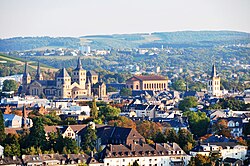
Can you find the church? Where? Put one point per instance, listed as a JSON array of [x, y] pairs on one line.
[[213, 85], [80, 84]]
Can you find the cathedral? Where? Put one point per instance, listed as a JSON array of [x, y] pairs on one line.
[[80, 84]]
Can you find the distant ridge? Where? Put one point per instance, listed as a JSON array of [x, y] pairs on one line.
[[136, 40]]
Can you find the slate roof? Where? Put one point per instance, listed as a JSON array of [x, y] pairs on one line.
[[91, 73], [142, 92], [140, 150], [63, 73], [216, 138], [45, 82], [235, 119], [230, 160]]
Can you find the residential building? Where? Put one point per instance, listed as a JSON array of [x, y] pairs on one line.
[[77, 110], [235, 126], [225, 149], [146, 155]]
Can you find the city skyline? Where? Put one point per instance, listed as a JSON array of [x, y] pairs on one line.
[[83, 17]]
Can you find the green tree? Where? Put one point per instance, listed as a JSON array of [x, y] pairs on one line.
[[13, 141], [126, 92], [109, 112], [89, 139], [94, 110], [171, 135], [10, 85], [2, 132], [198, 122], [179, 85], [7, 151], [160, 138], [70, 121], [37, 136], [200, 160], [135, 163], [188, 102], [111, 89], [185, 140]]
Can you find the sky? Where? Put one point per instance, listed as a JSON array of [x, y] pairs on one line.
[[20, 18]]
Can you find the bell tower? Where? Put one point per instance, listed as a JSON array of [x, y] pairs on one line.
[[213, 85], [79, 74]]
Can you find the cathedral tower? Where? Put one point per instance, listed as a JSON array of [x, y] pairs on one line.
[[39, 75], [26, 79], [63, 83], [213, 85], [79, 74]]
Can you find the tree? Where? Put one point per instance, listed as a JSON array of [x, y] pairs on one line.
[[160, 138], [2, 131], [171, 135], [109, 112], [123, 121], [246, 129], [198, 122], [13, 143], [179, 85], [185, 140], [70, 121], [89, 139], [221, 128], [94, 110], [188, 102], [200, 160], [149, 129], [135, 163], [111, 89], [126, 92], [37, 136], [10, 85], [7, 151]]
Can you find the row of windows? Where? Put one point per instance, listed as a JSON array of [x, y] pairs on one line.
[[155, 85], [76, 73]]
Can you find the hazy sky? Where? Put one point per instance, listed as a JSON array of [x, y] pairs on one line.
[[84, 17]]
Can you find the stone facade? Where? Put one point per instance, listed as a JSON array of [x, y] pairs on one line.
[[80, 84]]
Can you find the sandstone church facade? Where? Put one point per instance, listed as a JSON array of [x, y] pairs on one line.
[[80, 84]]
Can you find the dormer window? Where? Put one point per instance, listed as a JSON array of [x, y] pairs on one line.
[[237, 124]]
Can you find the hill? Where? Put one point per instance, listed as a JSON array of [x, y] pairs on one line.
[[12, 65], [141, 40]]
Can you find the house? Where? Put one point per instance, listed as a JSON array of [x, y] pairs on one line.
[[54, 159], [77, 110], [112, 135], [1, 150], [11, 161], [232, 162], [145, 154], [69, 131], [15, 121], [177, 122], [144, 110], [235, 125], [225, 149]]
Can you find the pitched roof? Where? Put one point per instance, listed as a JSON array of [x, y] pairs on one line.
[[63, 73], [147, 77]]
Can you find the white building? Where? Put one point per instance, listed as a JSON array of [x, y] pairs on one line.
[[1, 150], [77, 110], [226, 149], [15, 121], [145, 155]]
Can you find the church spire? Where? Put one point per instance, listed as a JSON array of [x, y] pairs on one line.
[[213, 74], [79, 64], [38, 72], [25, 73]]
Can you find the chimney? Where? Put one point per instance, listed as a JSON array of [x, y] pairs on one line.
[[14, 158], [110, 147]]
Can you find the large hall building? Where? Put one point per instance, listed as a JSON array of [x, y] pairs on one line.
[[80, 84], [147, 82]]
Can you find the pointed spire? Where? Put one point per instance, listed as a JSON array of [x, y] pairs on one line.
[[38, 72], [79, 64], [25, 73], [213, 74], [88, 81]]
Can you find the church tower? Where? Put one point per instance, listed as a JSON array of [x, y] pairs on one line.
[[88, 87], [63, 83], [26, 79], [213, 85], [79, 74], [39, 75]]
